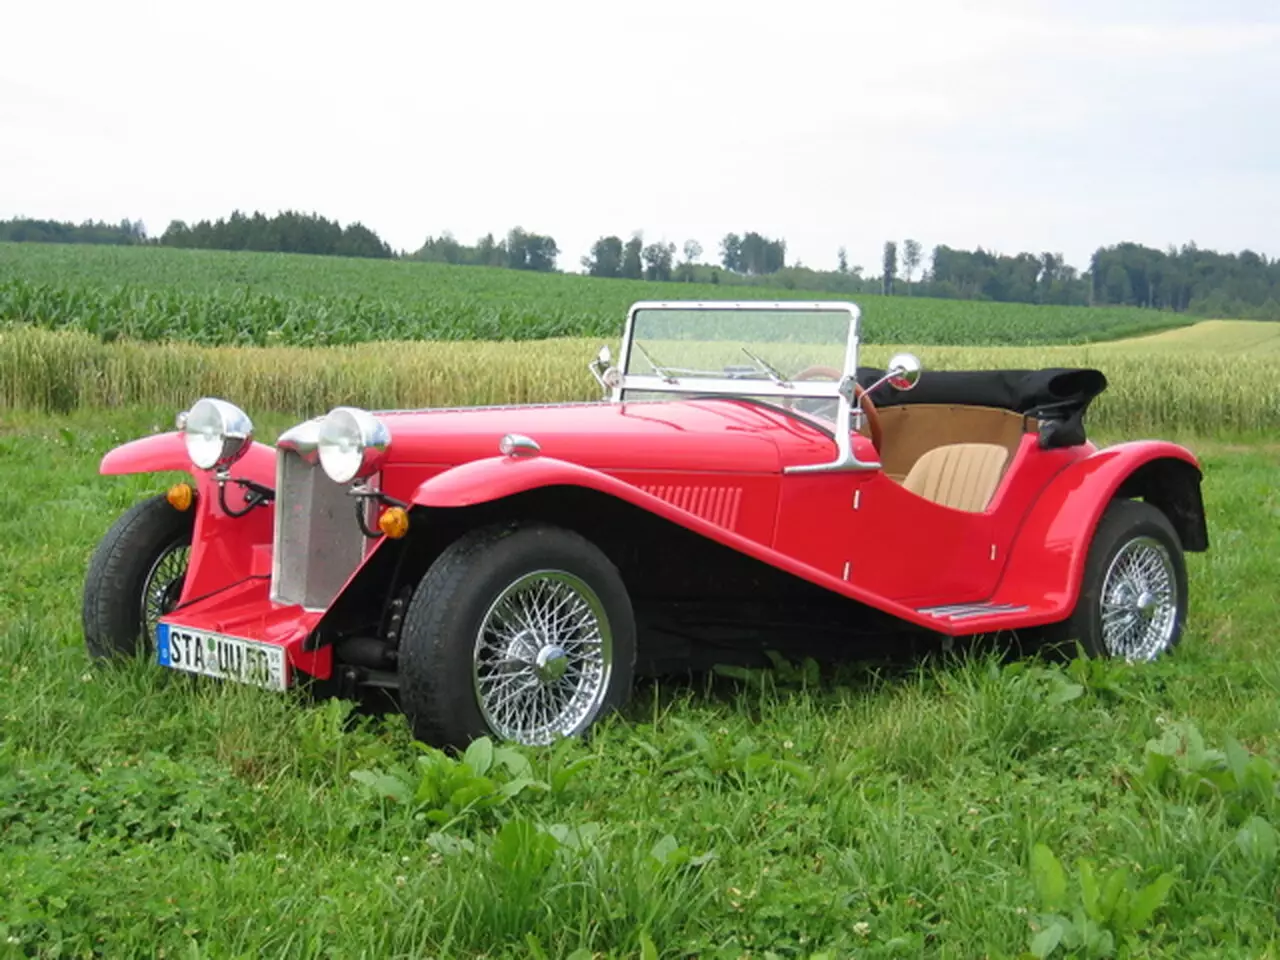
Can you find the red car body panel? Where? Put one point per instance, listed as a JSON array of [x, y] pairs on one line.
[[223, 547], [1047, 562], [715, 466]]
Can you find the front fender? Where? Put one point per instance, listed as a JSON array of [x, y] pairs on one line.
[[163, 452], [223, 547], [1046, 562], [480, 481]]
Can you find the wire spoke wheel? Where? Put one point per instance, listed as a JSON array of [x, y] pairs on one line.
[[1139, 601], [163, 586], [543, 658]]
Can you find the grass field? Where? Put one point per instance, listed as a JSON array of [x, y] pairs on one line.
[[213, 297], [1219, 376], [958, 806], [885, 811]]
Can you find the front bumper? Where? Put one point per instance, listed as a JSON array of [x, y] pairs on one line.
[[245, 611]]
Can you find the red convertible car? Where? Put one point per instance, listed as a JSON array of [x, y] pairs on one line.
[[743, 485]]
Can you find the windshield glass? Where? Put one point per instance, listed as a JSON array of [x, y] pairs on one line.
[[714, 350]]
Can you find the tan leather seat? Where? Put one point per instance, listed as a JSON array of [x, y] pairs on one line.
[[963, 476]]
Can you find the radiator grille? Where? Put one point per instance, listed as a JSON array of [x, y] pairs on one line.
[[718, 505], [318, 543]]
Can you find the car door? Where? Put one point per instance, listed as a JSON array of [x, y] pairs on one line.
[[868, 530]]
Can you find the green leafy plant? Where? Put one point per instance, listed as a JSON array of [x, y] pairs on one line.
[[443, 790], [1179, 764], [1107, 911]]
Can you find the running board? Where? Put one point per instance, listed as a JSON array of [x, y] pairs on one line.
[[959, 612]]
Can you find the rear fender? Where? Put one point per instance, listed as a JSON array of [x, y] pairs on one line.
[[1046, 562]]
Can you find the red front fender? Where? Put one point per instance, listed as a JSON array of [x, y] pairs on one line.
[[1046, 562], [480, 481], [167, 451]]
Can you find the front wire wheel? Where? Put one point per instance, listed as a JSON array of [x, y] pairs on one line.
[[163, 586], [543, 658], [523, 632], [135, 577]]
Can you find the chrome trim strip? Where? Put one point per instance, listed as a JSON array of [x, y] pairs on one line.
[[968, 611]]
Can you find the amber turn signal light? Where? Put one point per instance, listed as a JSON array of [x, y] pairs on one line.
[[181, 496], [394, 522]]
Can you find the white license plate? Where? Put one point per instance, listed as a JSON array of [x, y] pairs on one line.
[[228, 658]]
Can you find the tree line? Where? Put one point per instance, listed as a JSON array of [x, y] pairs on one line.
[[1181, 279]]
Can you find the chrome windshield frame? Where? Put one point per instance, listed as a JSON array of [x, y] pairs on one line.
[[842, 391]]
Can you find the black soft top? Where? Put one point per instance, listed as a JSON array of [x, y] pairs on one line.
[[1058, 397]]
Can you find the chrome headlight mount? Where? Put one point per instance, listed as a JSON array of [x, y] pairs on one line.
[[217, 433], [351, 444]]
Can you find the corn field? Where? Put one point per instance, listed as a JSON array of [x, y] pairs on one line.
[[213, 298]]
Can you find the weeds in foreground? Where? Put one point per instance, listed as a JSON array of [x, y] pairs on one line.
[[793, 812]]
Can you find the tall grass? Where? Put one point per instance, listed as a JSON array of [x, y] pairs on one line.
[[1159, 388]]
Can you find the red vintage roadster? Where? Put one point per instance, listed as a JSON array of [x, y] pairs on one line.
[[743, 485]]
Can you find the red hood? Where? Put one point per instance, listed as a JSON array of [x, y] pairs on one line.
[[719, 435]]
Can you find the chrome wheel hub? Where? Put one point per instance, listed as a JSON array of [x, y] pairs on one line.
[[543, 658], [1139, 601]]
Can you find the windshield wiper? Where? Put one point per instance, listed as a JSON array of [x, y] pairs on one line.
[[774, 373], [661, 371]]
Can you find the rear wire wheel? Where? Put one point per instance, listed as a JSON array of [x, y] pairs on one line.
[[1133, 600], [524, 633]]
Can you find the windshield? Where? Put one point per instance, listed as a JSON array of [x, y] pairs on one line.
[[766, 351]]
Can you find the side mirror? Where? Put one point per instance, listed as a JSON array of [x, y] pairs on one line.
[[603, 370], [904, 370]]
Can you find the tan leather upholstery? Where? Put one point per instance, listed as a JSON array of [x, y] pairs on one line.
[[912, 430], [963, 476]]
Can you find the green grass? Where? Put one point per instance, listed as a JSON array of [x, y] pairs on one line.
[[213, 297], [884, 811]]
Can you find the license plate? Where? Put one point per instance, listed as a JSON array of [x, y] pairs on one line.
[[227, 658]]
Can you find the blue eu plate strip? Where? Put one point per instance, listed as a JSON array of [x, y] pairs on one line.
[[162, 644]]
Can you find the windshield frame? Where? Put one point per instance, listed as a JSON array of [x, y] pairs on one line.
[[737, 386], [848, 412]]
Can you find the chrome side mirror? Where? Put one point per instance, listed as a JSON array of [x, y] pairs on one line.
[[603, 370], [904, 371]]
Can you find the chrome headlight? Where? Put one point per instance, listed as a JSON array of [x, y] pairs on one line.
[[217, 433], [352, 443]]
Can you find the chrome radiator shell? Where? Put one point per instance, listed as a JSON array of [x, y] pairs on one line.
[[318, 543]]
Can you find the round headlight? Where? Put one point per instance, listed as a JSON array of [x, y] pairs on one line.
[[217, 433], [352, 442]]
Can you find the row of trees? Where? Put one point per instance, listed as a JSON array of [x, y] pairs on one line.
[[1246, 284], [633, 260], [124, 233], [287, 232], [520, 250]]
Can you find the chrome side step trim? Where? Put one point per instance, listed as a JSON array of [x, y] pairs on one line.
[[968, 611]]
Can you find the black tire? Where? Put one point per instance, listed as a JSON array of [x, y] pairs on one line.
[[1145, 532], [121, 574], [439, 640]]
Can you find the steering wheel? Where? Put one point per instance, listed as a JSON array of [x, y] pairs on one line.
[[864, 400]]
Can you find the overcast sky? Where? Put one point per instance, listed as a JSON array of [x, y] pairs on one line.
[[1011, 124]]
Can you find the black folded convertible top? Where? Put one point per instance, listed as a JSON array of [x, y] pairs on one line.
[[1058, 397]]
